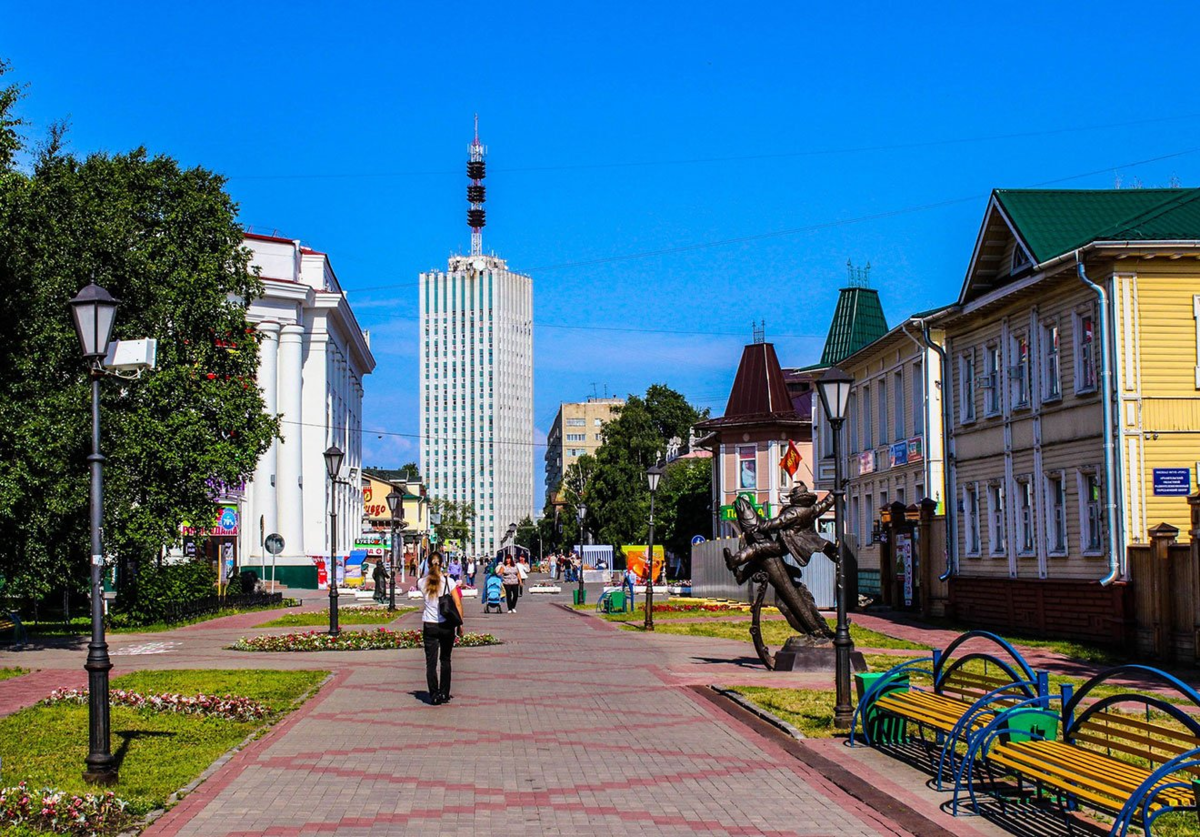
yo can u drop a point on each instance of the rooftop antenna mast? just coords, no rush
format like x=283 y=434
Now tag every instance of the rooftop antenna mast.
x=476 y=194
x=760 y=330
x=858 y=277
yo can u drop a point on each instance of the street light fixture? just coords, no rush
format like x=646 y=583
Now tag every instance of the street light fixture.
x=94 y=310
x=653 y=475
x=581 y=513
x=395 y=502
x=333 y=466
x=834 y=390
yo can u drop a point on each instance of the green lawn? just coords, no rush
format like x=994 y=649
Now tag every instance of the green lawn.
x=82 y=625
x=1083 y=651
x=159 y=752
x=638 y=614
x=8 y=673
x=348 y=616
x=808 y=710
x=776 y=631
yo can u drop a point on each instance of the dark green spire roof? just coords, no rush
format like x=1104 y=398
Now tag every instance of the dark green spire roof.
x=1055 y=221
x=857 y=321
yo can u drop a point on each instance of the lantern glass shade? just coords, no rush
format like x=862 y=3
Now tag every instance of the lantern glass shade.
x=393 y=500
x=333 y=461
x=834 y=389
x=581 y=512
x=94 y=309
x=653 y=475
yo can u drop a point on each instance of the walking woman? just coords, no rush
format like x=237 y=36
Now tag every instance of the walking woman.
x=510 y=576
x=438 y=635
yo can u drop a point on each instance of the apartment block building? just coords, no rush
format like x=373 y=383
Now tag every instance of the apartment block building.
x=577 y=430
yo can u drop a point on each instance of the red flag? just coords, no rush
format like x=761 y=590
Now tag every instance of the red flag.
x=791 y=459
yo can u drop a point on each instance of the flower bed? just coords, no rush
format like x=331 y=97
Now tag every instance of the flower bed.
x=700 y=607
x=52 y=810
x=229 y=707
x=351 y=641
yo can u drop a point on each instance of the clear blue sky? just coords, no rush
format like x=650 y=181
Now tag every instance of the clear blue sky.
x=617 y=129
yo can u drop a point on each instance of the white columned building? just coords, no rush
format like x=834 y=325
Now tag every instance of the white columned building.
x=312 y=361
x=476 y=365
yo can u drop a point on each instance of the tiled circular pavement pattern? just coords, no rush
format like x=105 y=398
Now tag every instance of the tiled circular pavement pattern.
x=570 y=727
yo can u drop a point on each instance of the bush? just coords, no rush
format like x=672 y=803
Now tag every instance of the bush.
x=156 y=590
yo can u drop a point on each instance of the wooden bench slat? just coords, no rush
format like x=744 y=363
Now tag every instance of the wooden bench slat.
x=1107 y=720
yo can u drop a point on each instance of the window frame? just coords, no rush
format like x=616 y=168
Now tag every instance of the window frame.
x=1059 y=478
x=899 y=419
x=742 y=459
x=997 y=520
x=1051 y=354
x=966 y=386
x=1026 y=517
x=1019 y=379
x=1084 y=478
x=1082 y=385
x=993 y=397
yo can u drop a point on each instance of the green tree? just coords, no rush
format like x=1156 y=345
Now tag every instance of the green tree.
x=683 y=507
x=528 y=535
x=165 y=241
x=457 y=520
x=617 y=494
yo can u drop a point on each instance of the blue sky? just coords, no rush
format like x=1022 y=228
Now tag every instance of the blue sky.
x=871 y=131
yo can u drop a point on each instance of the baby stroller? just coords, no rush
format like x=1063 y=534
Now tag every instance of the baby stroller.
x=492 y=593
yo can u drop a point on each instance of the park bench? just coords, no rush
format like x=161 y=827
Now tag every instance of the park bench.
x=967 y=692
x=10 y=623
x=1096 y=752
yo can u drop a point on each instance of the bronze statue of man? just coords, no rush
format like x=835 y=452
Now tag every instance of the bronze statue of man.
x=792 y=531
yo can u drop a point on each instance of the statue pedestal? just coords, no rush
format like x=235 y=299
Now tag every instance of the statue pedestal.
x=798 y=654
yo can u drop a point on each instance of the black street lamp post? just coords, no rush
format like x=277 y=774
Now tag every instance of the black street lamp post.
x=581 y=513
x=94 y=310
x=653 y=475
x=395 y=502
x=834 y=389
x=333 y=465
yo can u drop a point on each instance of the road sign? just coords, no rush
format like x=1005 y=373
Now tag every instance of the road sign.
x=274 y=543
x=697 y=540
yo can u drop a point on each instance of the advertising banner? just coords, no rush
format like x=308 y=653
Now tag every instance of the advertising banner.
x=866 y=462
x=904 y=564
x=319 y=562
x=899 y=454
x=916 y=449
x=635 y=559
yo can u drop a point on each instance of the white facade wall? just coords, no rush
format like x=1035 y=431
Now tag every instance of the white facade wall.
x=476 y=363
x=312 y=361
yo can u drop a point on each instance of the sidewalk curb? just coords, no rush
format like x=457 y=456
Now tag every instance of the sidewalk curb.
x=771 y=718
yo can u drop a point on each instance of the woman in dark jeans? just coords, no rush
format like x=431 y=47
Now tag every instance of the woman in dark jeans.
x=511 y=577
x=438 y=636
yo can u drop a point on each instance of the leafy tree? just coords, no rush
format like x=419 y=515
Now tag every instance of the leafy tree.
x=457 y=520
x=618 y=495
x=528 y=535
x=164 y=241
x=683 y=507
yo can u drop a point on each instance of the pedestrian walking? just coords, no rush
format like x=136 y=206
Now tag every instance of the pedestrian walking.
x=510 y=577
x=438 y=631
x=455 y=569
x=523 y=572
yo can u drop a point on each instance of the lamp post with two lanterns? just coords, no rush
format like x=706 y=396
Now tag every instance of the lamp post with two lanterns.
x=395 y=502
x=834 y=389
x=94 y=310
x=653 y=475
x=581 y=513
x=333 y=466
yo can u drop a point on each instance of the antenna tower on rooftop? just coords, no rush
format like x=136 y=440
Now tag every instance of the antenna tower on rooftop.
x=476 y=194
x=858 y=277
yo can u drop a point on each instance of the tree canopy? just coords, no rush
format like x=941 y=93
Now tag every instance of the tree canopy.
x=165 y=241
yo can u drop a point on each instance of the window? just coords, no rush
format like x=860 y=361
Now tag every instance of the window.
x=1056 y=514
x=900 y=495
x=575 y=422
x=996 y=519
x=1018 y=371
x=1051 y=378
x=867 y=441
x=1090 y=523
x=898 y=416
x=1019 y=259
x=883 y=424
x=991 y=381
x=598 y=422
x=966 y=387
x=854 y=526
x=1025 y=535
x=918 y=399
x=747 y=467
x=1085 y=353
x=868 y=519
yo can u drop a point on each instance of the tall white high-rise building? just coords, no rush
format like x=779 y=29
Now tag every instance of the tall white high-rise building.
x=477 y=382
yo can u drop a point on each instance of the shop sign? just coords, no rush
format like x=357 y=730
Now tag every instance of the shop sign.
x=225 y=524
x=1172 y=482
x=899 y=454
x=916 y=449
x=866 y=462
x=730 y=513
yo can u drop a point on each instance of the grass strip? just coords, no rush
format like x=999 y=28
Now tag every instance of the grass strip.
x=808 y=710
x=347 y=616
x=158 y=752
x=82 y=625
x=11 y=672
x=775 y=632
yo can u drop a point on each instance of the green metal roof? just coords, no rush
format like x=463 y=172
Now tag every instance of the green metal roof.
x=1055 y=221
x=857 y=321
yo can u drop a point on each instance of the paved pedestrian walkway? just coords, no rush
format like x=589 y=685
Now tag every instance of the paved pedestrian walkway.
x=570 y=727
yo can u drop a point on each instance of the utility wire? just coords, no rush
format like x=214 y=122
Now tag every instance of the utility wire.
x=817 y=152
x=823 y=225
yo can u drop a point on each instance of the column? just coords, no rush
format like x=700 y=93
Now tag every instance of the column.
x=290 y=465
x=265 y=473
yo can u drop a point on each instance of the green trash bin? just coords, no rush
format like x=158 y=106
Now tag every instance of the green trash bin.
x=579 y=596
x=882 y=727
x=616 y=601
